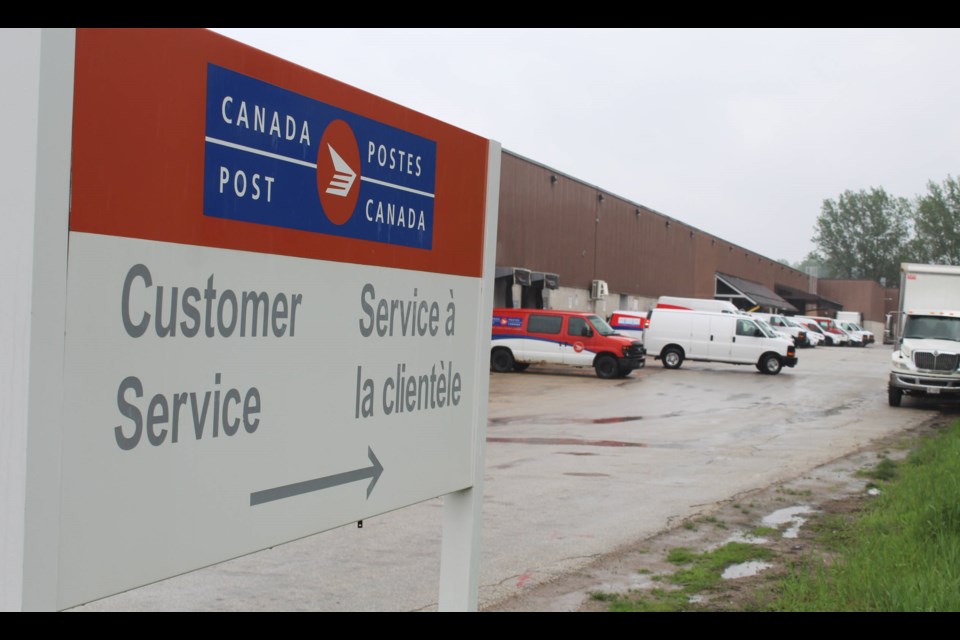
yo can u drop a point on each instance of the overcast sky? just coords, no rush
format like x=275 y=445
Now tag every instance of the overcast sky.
x=741 y=133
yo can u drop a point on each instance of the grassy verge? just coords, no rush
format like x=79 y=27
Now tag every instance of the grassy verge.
x=900 y=552
x=903 y=551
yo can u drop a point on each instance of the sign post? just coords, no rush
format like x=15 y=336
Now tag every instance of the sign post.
x=274 y=292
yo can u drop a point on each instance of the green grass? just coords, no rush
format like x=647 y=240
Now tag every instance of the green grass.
x=886 y=470
x=696 y=573
x=903 y=552
x=705 y=569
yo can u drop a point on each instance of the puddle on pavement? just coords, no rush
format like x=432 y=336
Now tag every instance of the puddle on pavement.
x=791 y=516
x=745 y=569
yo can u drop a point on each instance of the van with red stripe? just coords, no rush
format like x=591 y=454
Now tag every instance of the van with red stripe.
x=522 y=337
x=629 y=323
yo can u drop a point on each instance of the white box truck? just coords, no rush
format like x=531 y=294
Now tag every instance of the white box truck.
x=675 y=335
x=926 y=349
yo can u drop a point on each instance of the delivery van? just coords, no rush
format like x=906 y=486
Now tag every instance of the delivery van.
x=629 y=323
x=709 y=336
x=782 y=324
x=522 y=337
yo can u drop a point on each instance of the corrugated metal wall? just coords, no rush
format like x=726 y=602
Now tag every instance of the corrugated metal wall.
x=546 y=225
x=554 y=223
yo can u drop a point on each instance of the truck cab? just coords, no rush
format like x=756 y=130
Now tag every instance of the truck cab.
x=928 y=357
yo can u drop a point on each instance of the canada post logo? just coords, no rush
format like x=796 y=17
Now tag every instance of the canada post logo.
x=503 y=321
x=278 y=158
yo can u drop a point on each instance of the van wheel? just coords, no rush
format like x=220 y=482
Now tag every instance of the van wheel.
x=672 y=357
x=501 y=360
x=606 y=366
x=771 y=364
x=894 y=396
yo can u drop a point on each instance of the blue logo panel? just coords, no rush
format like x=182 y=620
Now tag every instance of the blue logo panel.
x=278 y=158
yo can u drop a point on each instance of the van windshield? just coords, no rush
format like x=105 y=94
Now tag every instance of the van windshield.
x=767 y=329
x=813 y=326
x=601 y=326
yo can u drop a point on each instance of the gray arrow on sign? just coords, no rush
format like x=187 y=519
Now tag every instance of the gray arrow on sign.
x=295 y=489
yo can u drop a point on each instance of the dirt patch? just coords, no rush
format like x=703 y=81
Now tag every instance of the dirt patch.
x=783 y=518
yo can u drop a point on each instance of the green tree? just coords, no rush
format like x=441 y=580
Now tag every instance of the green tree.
x=815 y=264
x=864 y=234
x=936 y=224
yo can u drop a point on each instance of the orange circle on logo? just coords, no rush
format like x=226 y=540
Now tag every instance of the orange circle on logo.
x=338 y=172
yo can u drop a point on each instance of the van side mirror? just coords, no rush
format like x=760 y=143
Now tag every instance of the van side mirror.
x=586 y=332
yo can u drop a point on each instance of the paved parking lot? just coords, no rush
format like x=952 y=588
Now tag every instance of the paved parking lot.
x=575 y=467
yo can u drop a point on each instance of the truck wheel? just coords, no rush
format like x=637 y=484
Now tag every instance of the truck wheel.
x=606 y=367
x=501 y=360
x=894 y=396
x=672 y=357
x=771 y=364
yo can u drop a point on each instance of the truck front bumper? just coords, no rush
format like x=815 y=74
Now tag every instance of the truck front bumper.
x=926 y=384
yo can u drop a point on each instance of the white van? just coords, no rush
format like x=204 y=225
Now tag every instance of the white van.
x=677 y=335
x=697 y=304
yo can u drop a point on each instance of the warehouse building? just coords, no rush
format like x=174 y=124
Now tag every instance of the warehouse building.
x=565 y=244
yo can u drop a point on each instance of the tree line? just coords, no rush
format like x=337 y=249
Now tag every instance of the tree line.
x=866 y=234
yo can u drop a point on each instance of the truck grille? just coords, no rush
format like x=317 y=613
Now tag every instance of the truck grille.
x=635 y=350
x=935 y=362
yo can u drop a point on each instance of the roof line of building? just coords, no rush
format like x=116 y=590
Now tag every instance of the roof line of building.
x=651 y=210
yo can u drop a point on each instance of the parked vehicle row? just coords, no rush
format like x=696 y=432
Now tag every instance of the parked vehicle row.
x=676 y=330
